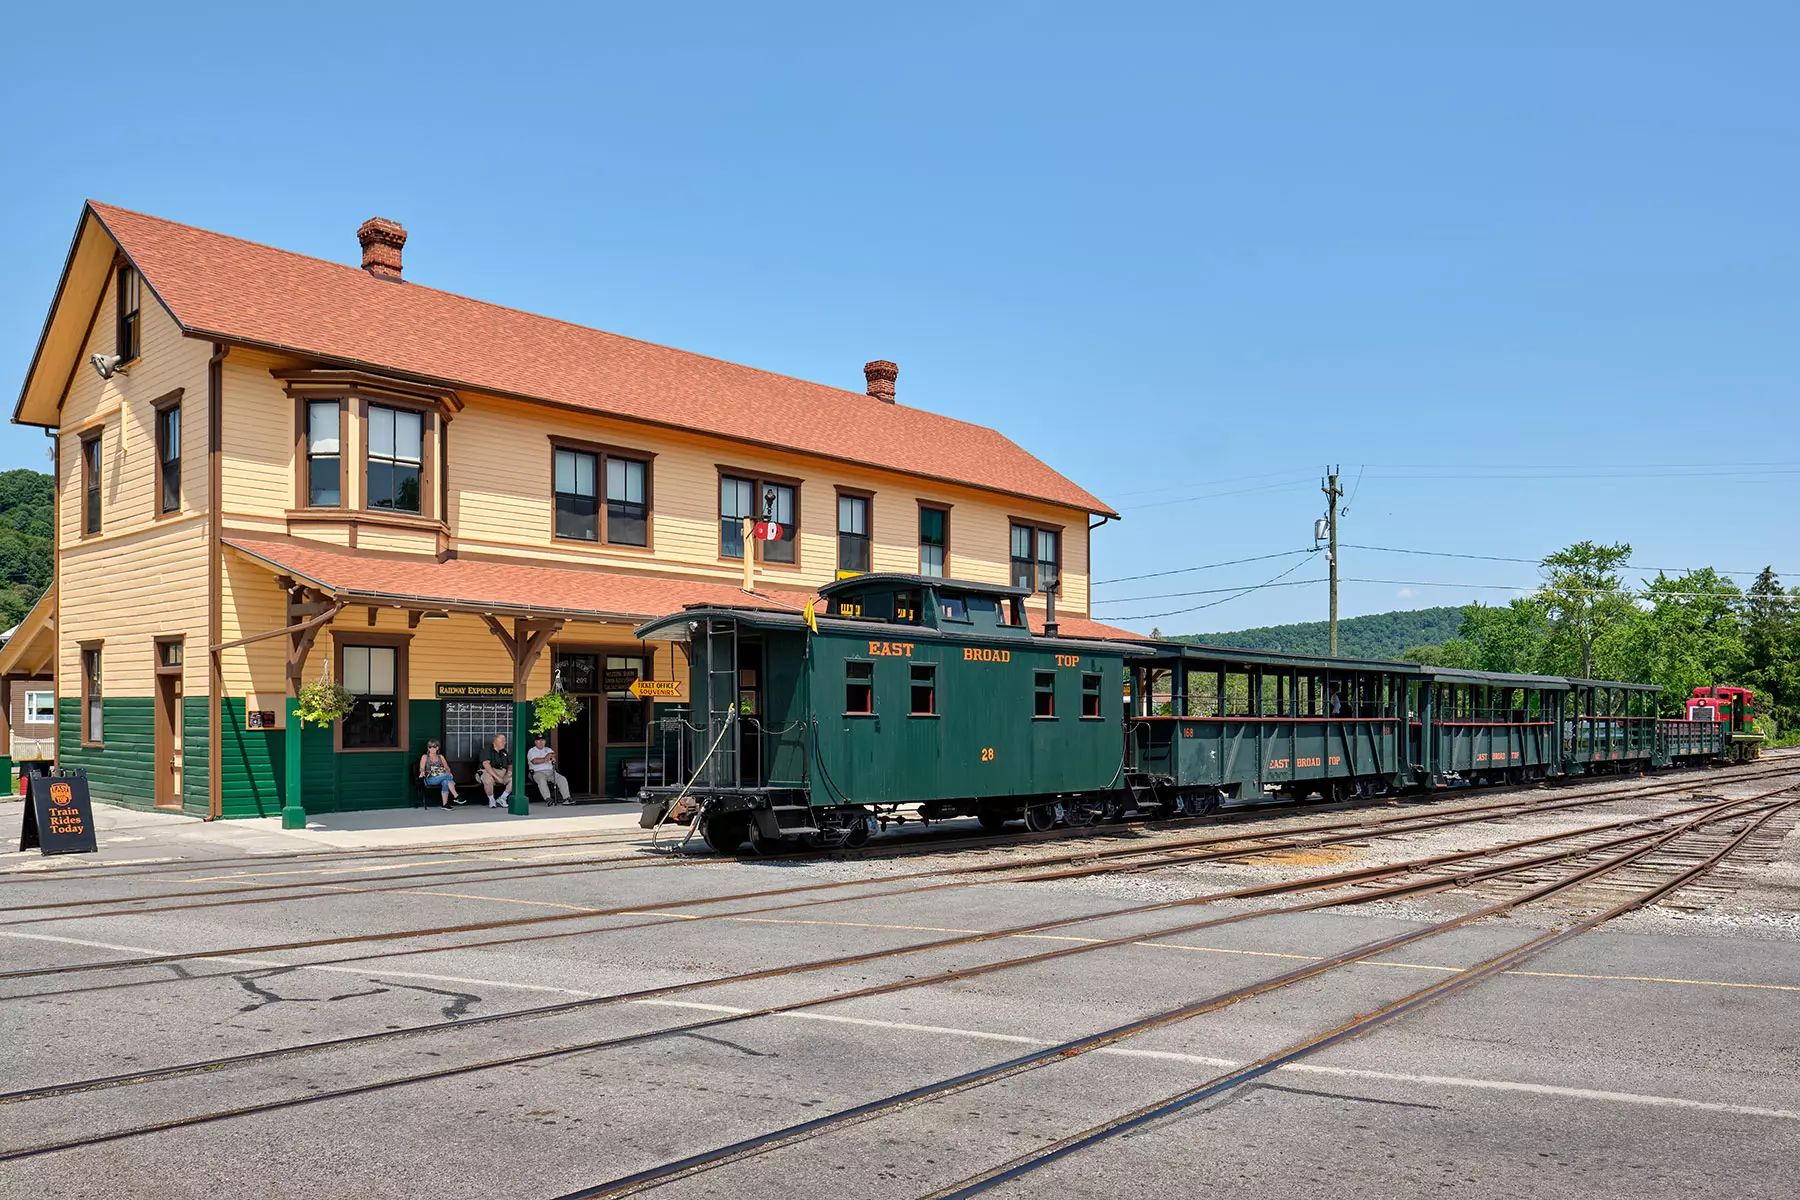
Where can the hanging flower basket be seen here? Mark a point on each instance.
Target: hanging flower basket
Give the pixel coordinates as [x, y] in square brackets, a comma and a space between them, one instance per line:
[553, 709]
[324, 700]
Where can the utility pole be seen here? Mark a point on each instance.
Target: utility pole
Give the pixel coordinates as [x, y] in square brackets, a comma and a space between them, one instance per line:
[1329, 485]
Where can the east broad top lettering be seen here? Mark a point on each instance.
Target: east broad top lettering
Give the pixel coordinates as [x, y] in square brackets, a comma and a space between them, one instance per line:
[891, 649]
[983, 654]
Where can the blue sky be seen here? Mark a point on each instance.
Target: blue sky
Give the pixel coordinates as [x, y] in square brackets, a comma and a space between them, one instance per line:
[1528, 271]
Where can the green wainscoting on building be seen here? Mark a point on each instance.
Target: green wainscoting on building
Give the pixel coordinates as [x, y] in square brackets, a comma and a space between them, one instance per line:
[122, 771]
[250, 773]
[255, 766]
[194, 758]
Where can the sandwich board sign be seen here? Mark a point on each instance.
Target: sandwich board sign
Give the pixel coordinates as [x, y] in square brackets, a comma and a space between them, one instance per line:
[59, 816]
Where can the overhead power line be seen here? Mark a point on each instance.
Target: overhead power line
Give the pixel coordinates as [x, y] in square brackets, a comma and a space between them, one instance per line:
[1636, 593]
[1230, 562]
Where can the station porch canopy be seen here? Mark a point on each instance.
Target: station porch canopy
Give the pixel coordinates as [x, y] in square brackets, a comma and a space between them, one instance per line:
[506, 589]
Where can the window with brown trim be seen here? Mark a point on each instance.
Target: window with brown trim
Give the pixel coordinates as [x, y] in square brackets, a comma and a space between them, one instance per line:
[396, 459]
[1036, 556]
[853, 534]
[168, 457]
[576, 488]
[324, 453]
[1043, 704]
[90, 483]
[128, 336]
[934, 541]
[372, 674]
[627, 501]
[93, 728]
[744, 497]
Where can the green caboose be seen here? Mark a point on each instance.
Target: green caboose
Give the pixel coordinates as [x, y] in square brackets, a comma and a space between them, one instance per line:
[908, 690]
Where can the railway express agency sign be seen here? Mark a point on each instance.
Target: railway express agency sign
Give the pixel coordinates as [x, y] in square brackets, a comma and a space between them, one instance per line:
[59, 816]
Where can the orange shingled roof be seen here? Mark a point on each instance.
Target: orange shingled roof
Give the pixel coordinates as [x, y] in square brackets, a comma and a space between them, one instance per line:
[1080, 627]
[474, 583]
[244, 292]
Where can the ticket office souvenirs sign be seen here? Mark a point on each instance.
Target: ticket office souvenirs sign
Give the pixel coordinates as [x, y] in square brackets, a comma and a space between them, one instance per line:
[59, 816]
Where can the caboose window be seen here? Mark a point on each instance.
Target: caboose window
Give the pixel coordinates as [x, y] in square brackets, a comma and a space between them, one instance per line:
[954, 608]
[1090, 696]
[924, 689]
[1044, 700]
[859, 688]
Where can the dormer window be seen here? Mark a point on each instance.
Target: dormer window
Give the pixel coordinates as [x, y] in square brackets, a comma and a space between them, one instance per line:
[127, 344]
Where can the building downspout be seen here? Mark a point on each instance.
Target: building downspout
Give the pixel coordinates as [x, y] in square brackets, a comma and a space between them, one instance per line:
[56, 535]
[215, 589]
[1090, 564]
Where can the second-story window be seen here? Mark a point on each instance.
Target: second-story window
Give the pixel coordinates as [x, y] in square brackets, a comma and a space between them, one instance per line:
[742, 497]
[90, 484]
[779, 506]
[934, 541]
[577, 504]
[168, 458]
[396, 458]
[1036, 556]
[736, 502]
[128, 343]
[324, 454]
[853, 535]
[627, 501]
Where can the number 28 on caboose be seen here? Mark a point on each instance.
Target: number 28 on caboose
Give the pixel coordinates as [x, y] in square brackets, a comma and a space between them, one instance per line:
[912, 690]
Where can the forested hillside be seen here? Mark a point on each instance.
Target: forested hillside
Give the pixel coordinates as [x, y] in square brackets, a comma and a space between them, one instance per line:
[26, 507]
[1379, 635]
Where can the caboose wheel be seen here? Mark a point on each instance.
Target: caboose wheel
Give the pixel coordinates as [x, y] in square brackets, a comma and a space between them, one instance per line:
[1040, 817]
[725, 833]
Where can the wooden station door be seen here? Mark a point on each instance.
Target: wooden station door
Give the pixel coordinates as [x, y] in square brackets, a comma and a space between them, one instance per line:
[168, 769]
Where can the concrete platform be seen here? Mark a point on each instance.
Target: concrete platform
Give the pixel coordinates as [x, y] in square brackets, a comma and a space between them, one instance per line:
[127, 834]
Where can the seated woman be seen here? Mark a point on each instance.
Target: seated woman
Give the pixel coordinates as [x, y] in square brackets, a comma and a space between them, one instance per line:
[434, 769]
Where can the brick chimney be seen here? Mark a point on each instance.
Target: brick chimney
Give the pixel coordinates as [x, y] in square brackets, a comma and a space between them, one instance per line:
[881, 375]
[381, 242]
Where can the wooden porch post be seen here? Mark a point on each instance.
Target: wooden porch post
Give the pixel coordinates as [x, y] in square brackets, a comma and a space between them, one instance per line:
[524, 645]
[302, 603]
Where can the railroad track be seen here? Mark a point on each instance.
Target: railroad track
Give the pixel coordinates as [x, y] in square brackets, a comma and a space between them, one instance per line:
[1212, 847]
[903, 845]
[390, 882]
[1754, 818]
[1632, 846]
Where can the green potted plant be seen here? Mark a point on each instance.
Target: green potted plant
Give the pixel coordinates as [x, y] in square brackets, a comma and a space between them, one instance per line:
[553, 709]
[324, 700]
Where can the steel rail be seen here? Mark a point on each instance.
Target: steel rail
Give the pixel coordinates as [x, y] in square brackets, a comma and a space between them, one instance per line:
[760, 1144]
[1245, 812]
[1356, 1027]
[1334, 880]
[242, 895]
[1412, 822]
[1379, 825]
[1655, 841]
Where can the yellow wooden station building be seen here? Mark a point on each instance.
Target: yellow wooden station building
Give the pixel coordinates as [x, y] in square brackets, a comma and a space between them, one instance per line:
[270, 465]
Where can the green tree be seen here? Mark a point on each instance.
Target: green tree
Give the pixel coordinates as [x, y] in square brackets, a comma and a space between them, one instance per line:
[1583, 598]
[1510, 639]
[1689, 633]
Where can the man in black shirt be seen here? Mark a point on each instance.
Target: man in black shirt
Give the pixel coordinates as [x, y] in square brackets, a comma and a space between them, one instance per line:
[496, 772]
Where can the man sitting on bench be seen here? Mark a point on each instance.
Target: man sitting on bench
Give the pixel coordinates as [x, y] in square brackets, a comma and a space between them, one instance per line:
[541, 761]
